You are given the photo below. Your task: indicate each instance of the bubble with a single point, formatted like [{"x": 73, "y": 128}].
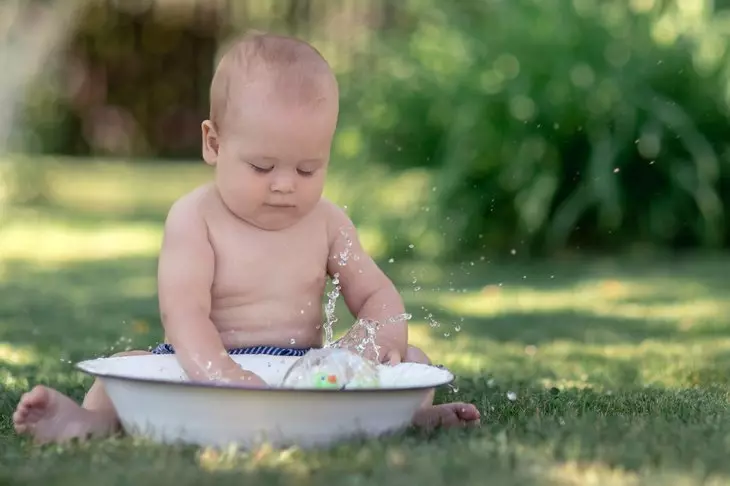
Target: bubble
[
  {"x": 511, "y": 396},
  {"x": 332, "y": 368},
  {"x": 292, "y": 341}
]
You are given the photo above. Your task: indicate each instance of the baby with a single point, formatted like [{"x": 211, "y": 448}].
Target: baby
[{"x": 245, "y": 259}]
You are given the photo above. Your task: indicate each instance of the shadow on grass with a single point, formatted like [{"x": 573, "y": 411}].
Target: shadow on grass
[{"x": 80, "y": 310}]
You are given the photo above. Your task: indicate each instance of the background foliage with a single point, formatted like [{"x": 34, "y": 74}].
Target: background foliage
[{"x": 523, "y": 126}]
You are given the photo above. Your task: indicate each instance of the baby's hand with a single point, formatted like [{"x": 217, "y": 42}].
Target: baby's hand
[
  {"x": 252, "y": 380},
  {"x": 361, "y": 339},
  {"x": 249, "y": 379},
  {"x": 390, "y": 356}
]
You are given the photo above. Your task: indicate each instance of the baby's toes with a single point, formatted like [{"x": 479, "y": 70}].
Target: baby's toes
[{"x": 467, "y": 412}]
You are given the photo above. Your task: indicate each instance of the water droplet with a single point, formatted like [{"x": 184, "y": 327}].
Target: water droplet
[
  {"x": 292, "y": 341},
  {"x": 391, "y": 260},
  {"x": 513, "y": 251},
  {"x": 616, "y": 170},
  {"x": 511, "y": 396},
  {"x": 411, "y": 246}
]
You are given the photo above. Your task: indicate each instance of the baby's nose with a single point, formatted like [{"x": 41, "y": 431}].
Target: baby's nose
[{"x": 282, "y": 183}]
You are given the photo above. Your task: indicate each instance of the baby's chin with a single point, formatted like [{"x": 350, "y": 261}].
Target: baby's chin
[{"x": 275, "y": 219}]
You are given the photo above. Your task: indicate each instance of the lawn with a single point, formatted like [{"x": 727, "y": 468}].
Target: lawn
[{"x": 593, "y": 371}]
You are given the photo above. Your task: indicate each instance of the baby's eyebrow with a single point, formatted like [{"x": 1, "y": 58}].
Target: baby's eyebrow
[{"x": 259, "y": 158}]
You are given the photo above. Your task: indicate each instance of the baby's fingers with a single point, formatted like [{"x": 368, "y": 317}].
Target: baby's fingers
[{"x": 393, "y": 358}]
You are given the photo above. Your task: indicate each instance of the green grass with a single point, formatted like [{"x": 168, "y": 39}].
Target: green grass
[{"x": 586, "y": 372}]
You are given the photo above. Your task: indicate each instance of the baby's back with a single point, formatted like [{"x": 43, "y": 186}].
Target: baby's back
[{"x": 267, "y": 285}]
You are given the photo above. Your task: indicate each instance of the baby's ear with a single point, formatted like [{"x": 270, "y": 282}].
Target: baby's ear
[{"x": 210, "y": 143}]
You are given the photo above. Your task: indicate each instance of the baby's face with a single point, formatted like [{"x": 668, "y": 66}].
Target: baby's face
[{"x": 272, "y": 161}]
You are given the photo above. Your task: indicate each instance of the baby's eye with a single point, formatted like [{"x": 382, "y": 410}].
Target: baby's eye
[
  {"x": 305, "y": 172},
  {"x": 262, "y": 170}
]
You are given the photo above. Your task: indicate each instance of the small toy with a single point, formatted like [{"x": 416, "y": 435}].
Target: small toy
[
  {"x": 332, "y": 368},
  {"x": 324, "y": 380}
]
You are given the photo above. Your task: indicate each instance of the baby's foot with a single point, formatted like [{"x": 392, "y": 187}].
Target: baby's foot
[
  {"x": 49, "y": 416},
  {"x": 447, "y": 415}
]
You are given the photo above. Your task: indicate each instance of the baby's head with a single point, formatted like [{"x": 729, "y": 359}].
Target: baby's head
[{"x": 274, "y": 106}]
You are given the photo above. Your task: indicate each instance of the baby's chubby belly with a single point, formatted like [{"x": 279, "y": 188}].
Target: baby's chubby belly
[{"x": 268, "y": 323}]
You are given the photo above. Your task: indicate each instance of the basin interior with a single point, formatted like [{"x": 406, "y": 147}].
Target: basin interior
[{"x": 165, "y": 368}]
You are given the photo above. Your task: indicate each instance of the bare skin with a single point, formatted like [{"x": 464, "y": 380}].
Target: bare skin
[
  {"x": 245, "y": 259},
  {"x": 50, "y": 416}
]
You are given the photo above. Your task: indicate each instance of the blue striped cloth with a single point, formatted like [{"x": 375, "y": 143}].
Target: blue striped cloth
[{"x": 165, "y": 348}]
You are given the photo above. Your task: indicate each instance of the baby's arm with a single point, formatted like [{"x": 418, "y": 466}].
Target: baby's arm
[
  {"x": 185, "y": 278},
  {"x": 367, "y": 291}
]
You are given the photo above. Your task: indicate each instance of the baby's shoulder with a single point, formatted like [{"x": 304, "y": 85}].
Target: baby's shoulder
[
  {"x": 334, "y": 217},
  {"x": 331, "y": 211},
  {"x": 190, "y": 211},
  {"x": 193, "y": 204}
]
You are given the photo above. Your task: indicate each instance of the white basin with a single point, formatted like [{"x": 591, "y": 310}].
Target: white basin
[{"x": 154, "y": 400}]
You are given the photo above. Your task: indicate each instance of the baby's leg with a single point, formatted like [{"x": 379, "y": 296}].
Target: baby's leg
[
  {"x": 446, "y": 415},
  {"x": 50, "y": 416}
]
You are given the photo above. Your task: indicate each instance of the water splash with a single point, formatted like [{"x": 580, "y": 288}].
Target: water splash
[
  {"x": 329, "y": 310},
  {"x": 361, "y": 337},
  {"x": 345, "y": 254}
]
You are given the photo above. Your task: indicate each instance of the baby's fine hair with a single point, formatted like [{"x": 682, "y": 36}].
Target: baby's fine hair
[{"x": 296, "y": 71}]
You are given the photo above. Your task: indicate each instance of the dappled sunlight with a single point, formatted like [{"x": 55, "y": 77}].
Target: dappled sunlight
[
  {"x": 615, "y": 299},
  {"x": 563, "y": 363},
  {"x": 17, "y": 355},
  {"x": 457, "y": 352},
  {"x": 117, "y": 190},
  {"x": 290, "y": 461},
  {"x": 139, "y": 286},
  {"x": 594, "y": 473},
  {"x": 55, "y": 241},
  {"x": 11, "y": 356}
]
